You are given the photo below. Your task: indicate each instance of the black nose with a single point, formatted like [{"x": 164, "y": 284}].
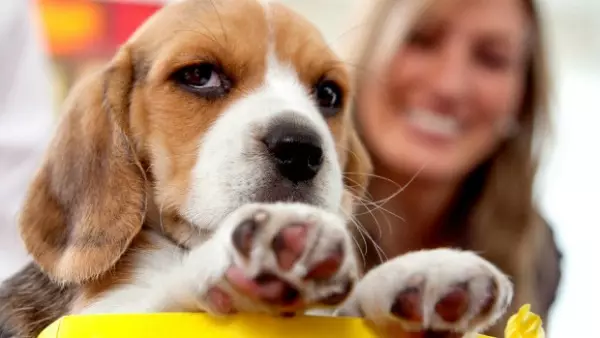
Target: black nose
[{"x": 295, "y": 150}]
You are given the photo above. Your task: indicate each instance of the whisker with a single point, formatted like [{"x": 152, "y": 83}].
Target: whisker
[
  {"x": 360, "y": 232},
  {"x": 160, "y": 217},
  {"x": 411, "y": 180},
  {"x": 380, "y": 253},
  {"x": 363, "y": 232}
]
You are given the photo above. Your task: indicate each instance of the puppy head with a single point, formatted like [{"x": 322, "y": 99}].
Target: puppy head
[{"x": 209, "y": 105}]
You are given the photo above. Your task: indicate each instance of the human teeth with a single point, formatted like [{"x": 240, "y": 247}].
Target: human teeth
[{"x": 430, "y": 122}]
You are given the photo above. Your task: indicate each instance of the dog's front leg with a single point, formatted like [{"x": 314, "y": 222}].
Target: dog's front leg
[
  {"x": 263, "y": 258},
  {"x": 432, "y": 290}
]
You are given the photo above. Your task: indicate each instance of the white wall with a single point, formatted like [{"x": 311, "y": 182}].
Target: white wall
[{"x": 569, "y": 185}]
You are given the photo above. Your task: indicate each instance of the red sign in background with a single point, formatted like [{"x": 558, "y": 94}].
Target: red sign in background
[{"x": 83, "y": 34}]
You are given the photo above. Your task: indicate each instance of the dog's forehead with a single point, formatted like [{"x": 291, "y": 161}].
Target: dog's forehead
[
  {"x": 215, "y": 20},
  {"x": 246, "y": 29},
  {"x": 295, "y": 38}
]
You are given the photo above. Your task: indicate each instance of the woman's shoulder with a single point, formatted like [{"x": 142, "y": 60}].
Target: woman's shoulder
[
  {"x": 546, "y": 229},
  {"x": 548, "y": 261}
]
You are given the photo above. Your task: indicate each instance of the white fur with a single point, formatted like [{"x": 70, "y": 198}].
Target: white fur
[
  {"x": 232, "y": 163},
  {"x": 169, "y": 279},
  {"x": 231, "y": 167},
  {"x": 437, "y": 272}
]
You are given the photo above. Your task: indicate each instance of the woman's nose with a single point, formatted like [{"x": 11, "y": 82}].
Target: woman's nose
[{"x": 449, "y": 74}]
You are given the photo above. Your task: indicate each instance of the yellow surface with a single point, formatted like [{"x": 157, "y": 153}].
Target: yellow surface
[
  {"x": 202, "y": 325},
  {"x": 524, "y": 324}
]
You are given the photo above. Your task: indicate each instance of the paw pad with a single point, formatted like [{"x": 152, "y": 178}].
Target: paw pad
[
  {"x": 408, "y": 305},
  {"x": 453, "y": 306},
  {"x": 490, "y": 300},
  {"x": 328, "y": 267},
  {"x": 243, "y": 237},
  {"x": 289, "y": 244},
  {"x": 338, "y": 298},
  {"x": 287, "y": 257},
  {"x": 220, "y": 301},
  {"x": 275, "y": 291}
]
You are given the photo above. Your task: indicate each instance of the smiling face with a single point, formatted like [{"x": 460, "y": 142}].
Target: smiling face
[{"x": 451, "y": 92}]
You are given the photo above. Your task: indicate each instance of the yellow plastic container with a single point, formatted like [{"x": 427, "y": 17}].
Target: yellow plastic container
[{"x": 198, "y": 325}]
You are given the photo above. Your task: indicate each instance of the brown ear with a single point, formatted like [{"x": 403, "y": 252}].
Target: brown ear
[
  {"x": 87, "y": 201},
  {"x": 358, "y": 167}
]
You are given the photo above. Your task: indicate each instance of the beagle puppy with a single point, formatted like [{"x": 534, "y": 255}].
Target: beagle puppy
[{"x": 213, "y": 166}]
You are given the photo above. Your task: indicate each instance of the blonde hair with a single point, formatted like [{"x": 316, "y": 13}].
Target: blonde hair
[{"x": 496, "y": 206}]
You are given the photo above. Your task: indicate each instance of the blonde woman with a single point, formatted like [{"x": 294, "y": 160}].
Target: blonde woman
[{"x": 451, "y": 103}]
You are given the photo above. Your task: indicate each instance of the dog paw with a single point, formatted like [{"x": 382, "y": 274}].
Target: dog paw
[
  {"x": 440, "y": 290},
  {"x": 285, "y": 258}
]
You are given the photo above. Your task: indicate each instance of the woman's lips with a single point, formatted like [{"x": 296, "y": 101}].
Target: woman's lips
[{"x": 433, "y": 126}]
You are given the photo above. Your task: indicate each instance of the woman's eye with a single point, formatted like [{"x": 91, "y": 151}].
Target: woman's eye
[
  {"x": 492, "y": 59},
  {"x": 203, "y": 79},
  {"x": 329, "y": 97},
  {"x": 423, "y": 39}
]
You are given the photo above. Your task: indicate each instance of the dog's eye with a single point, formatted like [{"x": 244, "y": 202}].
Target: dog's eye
[
  {"x": 329, "y": 97},
  {"x": 203, "y": 79}
]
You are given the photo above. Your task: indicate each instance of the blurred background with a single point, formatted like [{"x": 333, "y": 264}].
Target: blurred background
[{"x": 82, "y": 34}]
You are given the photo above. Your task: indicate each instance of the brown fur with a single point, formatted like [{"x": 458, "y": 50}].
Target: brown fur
[
  {"x": 119, "y": 274},
  {"x": 30, "y": 301},
  {"x": 126, "y": 144},
  {"x": 69, "y": 235}
]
